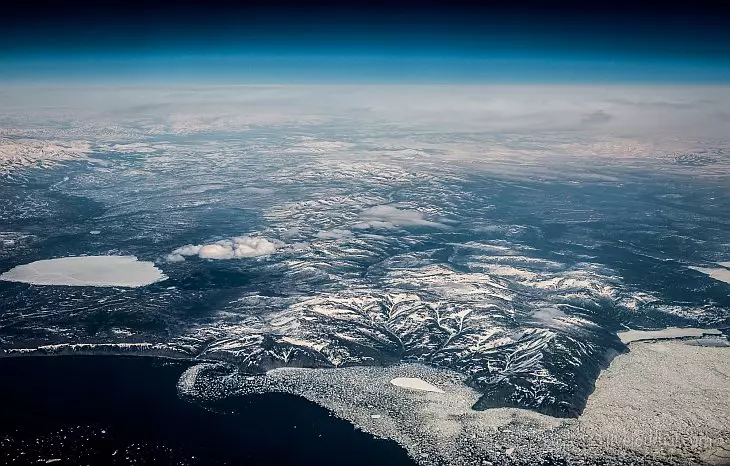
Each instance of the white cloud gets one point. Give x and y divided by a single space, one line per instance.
238 247
580 115
175 258
385 216
334 234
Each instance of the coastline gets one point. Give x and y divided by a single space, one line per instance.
666 401
120 410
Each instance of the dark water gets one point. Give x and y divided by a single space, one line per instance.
114 410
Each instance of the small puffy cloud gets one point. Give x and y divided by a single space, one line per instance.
234 248
334 234
217 251
189 250
385 216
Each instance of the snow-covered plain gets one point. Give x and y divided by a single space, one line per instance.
125 271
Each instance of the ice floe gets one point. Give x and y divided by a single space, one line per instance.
720 273
124 271
414 383
667 333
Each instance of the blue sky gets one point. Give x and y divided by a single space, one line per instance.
129 43
234 68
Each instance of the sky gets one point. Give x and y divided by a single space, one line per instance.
250 42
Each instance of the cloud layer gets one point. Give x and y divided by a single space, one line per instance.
385 216
238 247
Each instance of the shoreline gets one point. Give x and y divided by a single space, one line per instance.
125 410
643 408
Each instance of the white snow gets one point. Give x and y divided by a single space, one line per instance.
414 383
671 332
721 274
124 271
